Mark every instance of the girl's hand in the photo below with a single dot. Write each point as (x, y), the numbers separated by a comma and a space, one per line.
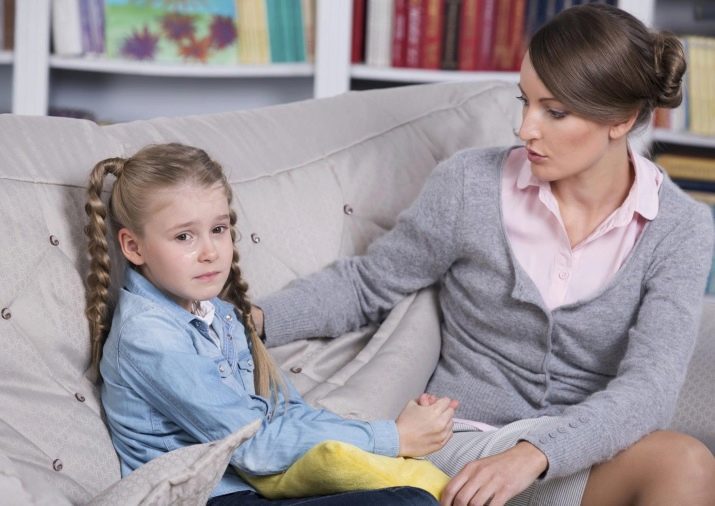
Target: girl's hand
(496, 479)
(426, 428)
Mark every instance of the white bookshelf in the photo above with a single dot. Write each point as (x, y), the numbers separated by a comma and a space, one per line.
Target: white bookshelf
(426, 76)
(41, 80)
(683, 138)
(114, 66)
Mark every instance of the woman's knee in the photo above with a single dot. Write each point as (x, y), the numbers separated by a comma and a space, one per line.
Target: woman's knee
(679, 451)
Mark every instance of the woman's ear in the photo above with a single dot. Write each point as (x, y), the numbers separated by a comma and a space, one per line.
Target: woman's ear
(130, 245)
(622, 128)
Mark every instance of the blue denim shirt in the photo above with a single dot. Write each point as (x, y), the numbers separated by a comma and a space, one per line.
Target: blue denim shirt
(168, 385)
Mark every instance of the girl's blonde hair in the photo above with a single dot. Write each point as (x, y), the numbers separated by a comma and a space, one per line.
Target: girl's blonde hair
(137, 178)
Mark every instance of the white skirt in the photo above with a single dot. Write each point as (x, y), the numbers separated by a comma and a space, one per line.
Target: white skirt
(468, 444)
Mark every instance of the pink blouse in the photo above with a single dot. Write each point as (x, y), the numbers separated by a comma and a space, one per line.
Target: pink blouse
(539, 241)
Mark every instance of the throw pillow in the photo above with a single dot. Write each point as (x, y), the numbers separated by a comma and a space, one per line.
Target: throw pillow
(182, 477)
(332, 467)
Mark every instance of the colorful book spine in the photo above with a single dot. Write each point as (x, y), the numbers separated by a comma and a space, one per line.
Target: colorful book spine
(432, 28)
(413, 55)
(469, 34)
(487, 28)
(399, 33)
(378, 44)
(358, 35)
(450, 40)
(8, 19)
(687, 167)
(308, 8)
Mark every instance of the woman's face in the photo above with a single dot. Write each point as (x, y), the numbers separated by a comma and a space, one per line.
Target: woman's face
(560, 145)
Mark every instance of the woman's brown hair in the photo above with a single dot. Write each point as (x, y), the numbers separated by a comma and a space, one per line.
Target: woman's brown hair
(137, 178)
(604, 65)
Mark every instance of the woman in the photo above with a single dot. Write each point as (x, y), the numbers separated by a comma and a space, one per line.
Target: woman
(571, 272)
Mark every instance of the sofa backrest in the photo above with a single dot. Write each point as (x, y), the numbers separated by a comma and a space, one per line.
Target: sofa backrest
(312, 181)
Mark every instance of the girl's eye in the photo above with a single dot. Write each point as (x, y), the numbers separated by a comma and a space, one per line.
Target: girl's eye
(220, 229)
(182, 237)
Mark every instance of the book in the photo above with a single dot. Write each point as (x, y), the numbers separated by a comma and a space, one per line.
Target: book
(203, 32)
(253, 33)
(378, 36)
(517, 27)
(413, 46)
(77, 27)
(486, 29)
(501, 53)
(66, 28)
(357, 53)
(469, 34)
(431, 38)
(8, 20)
(308, 9)
(399, 33)
(450, 39)
(697, 168)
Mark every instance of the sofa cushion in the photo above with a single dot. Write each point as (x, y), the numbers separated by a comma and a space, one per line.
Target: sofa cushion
(186, 476)
(322, 178)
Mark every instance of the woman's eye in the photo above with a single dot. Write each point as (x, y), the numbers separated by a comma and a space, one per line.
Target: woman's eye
(557, 114)
(522, 99)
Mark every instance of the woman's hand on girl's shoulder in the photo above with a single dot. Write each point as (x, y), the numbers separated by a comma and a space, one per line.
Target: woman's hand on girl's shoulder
(425, 425)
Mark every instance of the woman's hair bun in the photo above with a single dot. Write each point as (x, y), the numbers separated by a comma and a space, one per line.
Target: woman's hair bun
(670, 67)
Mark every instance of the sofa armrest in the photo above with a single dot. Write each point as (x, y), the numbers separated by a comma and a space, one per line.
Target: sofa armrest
(373, 372)
(695, 414)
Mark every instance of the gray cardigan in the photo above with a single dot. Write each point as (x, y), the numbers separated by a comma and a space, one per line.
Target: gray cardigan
(606, 370)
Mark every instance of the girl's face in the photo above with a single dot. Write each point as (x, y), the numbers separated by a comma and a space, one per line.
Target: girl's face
(185, 249)
(560, 145)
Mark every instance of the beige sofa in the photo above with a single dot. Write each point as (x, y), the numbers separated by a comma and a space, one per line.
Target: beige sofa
(313, 181)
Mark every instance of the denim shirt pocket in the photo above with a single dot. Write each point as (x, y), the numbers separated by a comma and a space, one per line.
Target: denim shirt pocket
(245, 370)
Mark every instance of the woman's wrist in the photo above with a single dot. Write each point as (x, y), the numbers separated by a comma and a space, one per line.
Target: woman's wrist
(536, 458)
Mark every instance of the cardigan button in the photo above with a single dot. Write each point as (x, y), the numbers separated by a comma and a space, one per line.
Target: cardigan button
(255, 238)
(57, 465)
(5, 313)
(347, 209)
(296, 370)
(54, 241)
(79, 397)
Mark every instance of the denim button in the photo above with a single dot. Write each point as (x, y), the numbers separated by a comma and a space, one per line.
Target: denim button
(79, 397)
(57, 465)
(5, 313)
(228, 317)
(221, 368)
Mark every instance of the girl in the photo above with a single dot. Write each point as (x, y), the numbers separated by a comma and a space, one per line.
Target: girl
(571, 274)
(182, 363)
